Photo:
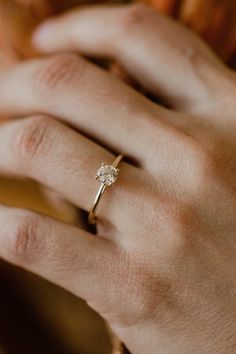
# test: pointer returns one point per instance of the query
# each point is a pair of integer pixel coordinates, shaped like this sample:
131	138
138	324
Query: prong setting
107	174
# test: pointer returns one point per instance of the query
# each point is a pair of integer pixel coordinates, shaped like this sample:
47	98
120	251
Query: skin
162	270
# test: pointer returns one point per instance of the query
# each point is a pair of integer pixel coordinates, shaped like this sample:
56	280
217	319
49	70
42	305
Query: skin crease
163	269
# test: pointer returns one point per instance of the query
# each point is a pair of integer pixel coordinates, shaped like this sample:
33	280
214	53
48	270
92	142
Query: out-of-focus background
37	317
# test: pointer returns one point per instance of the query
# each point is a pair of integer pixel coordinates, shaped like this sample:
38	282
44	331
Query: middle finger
100	105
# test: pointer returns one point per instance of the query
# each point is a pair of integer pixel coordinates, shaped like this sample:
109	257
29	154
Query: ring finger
64	160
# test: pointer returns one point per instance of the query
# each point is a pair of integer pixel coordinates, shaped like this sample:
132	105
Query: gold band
107	175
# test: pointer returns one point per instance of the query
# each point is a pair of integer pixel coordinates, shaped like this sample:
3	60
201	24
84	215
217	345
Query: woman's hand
163	269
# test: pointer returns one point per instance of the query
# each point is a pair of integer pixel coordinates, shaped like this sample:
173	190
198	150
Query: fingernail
41	35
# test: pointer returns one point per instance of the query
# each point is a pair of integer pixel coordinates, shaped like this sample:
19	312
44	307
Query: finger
161	54
65	255
63	207
58	157
87	97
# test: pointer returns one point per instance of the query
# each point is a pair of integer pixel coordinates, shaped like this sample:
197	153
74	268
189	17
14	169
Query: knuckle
134	16
198	164
204	164
133	291
25	243
56	72
31	138
144	291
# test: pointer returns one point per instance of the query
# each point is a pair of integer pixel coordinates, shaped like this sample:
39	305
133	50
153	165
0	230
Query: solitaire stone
107	174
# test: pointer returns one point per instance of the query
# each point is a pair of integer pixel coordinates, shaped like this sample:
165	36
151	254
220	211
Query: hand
162	271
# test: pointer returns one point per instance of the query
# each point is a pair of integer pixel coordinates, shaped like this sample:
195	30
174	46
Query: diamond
107	174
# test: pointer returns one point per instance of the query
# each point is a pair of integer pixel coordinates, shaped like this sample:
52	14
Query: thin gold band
102	188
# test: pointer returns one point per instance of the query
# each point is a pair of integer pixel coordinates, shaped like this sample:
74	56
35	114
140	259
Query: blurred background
37	317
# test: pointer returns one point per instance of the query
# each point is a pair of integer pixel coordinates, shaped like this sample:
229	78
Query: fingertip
41	37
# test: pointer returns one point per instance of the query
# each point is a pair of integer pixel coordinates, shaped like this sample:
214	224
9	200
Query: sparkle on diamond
107	174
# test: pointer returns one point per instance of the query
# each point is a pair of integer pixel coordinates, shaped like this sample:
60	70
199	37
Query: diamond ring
106	175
